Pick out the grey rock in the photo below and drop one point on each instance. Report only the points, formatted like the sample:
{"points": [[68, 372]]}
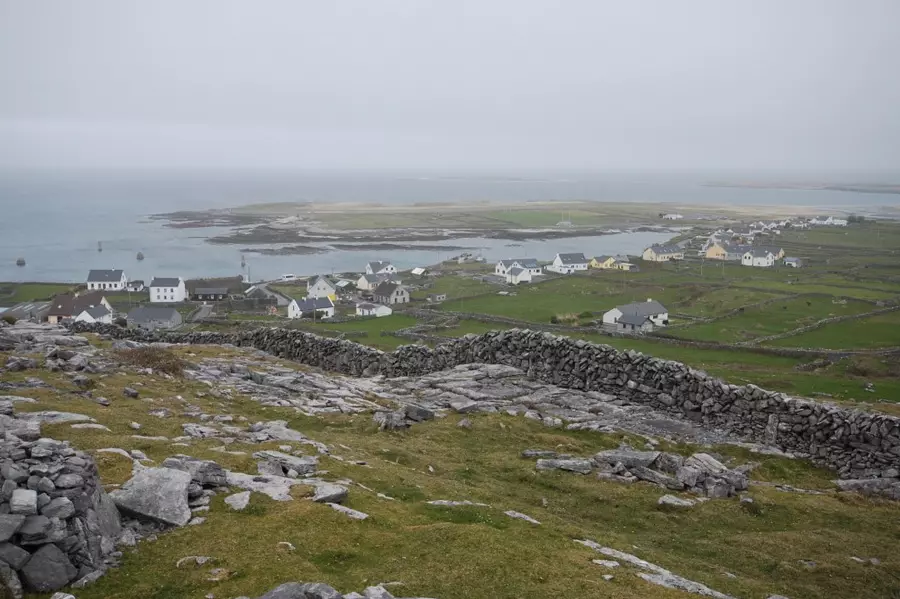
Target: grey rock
{"points": [[521, 516], [390, 421], [10, 524], [581, 466], [330, 493], [13, 555], [464, 423], [706, 464], [238, 501], [377, 592], [296, 590], [627, 457], [48, 570], [54, 417], [23, 501], [672, 501], [418, 413], [61, 507], [130, 392], [9, 581], [62, 596], [464, 406], [539, 453], [69, 481], [203, 472], [88, 579], [303, 464], [159, 494], [35, 530], [356, 515]]}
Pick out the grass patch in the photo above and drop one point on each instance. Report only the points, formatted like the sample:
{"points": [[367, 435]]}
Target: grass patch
{"points": [[160, 359]]}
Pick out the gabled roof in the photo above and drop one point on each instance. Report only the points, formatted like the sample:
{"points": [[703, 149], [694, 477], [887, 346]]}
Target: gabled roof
{"points": [[136, 283], [211, 291], [527, 262], [572, 258], [104, 276], [378, 265], [386, 288], [366, 306], [314, 303], [515, 271], [68, 305], [666, 249], [370, 278], [507, 263], [152, 313], [758, 253], [97, 311], [602, 259], [648, 308], [313, 282], [792, 260], [635, 319], [165, 282]]}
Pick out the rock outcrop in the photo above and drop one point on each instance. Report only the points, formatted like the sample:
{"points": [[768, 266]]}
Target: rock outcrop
{"points": [[856, 444]]}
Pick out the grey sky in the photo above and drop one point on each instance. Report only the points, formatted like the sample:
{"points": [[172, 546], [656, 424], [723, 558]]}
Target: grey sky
{"points": [[807, 84]]}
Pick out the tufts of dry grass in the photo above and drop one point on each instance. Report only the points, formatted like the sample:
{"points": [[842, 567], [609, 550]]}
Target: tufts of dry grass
{"points": [[159, 359]]}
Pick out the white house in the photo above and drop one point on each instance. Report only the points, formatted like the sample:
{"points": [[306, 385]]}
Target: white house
{"points": [[106, 280], [167, 290], [529, 264], [417, 271], [391, 293], [663, 253], [370, 282], [321, 287], [321, 307], [369, 309], [517, 275], [793, 262], [651, 310], [380, 268], [566, 264], [95, 314], [828, 221], [758, 257], [673, 216]]}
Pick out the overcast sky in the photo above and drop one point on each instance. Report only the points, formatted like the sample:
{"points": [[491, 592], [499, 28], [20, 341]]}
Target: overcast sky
{"points": [[693, 84]]}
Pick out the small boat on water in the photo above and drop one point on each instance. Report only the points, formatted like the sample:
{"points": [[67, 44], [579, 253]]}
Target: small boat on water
{"points": [[99, 246], [140, 255], [243, 261], [20, 262]]}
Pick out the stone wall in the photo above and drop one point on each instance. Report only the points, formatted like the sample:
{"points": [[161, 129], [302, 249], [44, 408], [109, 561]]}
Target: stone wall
{"points": [[857, 444], [57, 524]]}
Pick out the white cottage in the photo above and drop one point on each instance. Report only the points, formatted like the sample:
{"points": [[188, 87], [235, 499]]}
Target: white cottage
{"points": [[370, 309], [321, 287], [321, 307], [529, 264], [380, 268], [106, 280], [516, 275], [758, 257], [167, 290], [651, 310], [95, 314], [565, 264]]}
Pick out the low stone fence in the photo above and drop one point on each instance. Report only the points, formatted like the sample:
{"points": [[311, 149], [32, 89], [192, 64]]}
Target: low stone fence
{"points": [[821, 323], [857, 444]]}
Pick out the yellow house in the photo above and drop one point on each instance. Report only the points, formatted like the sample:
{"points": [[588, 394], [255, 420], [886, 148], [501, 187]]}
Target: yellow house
{"points": [[606, 262], [716, 251], [663, 253]]}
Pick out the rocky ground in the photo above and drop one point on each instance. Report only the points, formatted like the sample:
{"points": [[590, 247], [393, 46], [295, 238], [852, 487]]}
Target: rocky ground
{"points": [[363, 480]]}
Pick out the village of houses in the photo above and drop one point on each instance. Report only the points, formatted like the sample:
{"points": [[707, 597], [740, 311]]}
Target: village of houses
{"points": [[380, 288]]}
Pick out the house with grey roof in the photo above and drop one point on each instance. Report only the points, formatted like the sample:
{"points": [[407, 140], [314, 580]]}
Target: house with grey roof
{"points": [[316, 307], [663, 253], [391, 293], [167, 290], [793, 262], [516, 276], [154, 317], [210, 294], [106, 280], [98, 313], [566, 264], [529, 264], [380, 267], [758, 257], [639, 316]]}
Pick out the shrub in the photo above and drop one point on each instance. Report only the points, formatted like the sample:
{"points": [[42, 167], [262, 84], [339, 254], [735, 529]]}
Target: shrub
{"points": [[554, 319], [121, 322], [8, 319], [586, 314], [158, 358]]}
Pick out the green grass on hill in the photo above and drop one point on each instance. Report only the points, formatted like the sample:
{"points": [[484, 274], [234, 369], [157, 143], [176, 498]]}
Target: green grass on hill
{"points": [[882, 330], [15, 293], [465, 553], [455, 287], [771, 319]]}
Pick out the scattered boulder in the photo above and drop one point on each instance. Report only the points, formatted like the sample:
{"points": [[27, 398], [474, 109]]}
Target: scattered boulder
{"points": [[158, 494], [206, 473], [521, 516], [130, 392], [581, 466], [238, 501], [49, 569], [676, 502], [301, 465], [390, 421]]}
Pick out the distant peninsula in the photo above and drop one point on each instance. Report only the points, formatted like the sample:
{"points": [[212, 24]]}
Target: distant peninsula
{"points": [[893, 188]]}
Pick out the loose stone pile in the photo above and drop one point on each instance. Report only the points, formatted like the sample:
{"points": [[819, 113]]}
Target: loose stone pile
{"points": [[57, 525], [701, 473], [856, 444]]}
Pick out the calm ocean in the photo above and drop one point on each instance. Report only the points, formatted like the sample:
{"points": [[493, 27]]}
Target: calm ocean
{"points": [[55, 221]]}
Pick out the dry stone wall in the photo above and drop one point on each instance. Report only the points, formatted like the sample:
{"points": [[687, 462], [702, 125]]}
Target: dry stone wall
{"points": [[856, 444]]}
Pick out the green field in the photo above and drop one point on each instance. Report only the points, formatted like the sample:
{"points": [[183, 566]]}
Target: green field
{"points": [[454, 286], [771, 319], [878, 331], [15, 293]]}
